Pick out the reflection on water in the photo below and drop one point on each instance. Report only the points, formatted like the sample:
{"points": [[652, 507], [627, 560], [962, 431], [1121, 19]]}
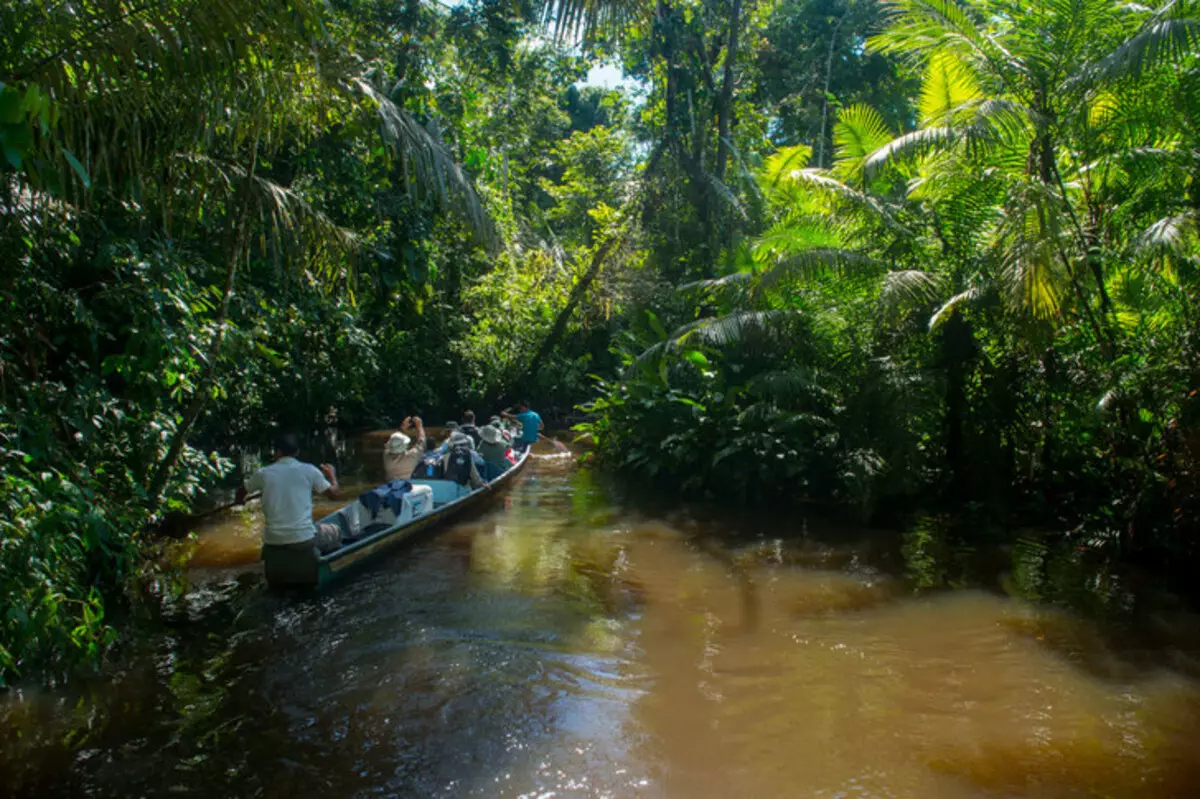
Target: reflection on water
{"points": [[558, 644]]}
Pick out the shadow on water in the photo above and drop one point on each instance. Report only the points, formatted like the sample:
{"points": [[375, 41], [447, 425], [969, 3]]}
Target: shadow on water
{"points": [[1108, 618], [563, 642]]}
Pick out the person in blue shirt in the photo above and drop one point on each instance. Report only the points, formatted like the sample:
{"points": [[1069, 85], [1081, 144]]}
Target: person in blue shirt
{"points": [[531, 426]]}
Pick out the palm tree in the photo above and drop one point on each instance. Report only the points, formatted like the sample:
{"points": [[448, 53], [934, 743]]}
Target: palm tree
{"points": [[1024, 94], [1011, 192]]}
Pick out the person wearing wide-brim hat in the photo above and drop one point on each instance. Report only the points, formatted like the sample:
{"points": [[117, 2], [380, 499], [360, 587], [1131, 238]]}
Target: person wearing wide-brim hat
{"points": [[461, 462], [498, 423], [494, 450], [401, 454]]}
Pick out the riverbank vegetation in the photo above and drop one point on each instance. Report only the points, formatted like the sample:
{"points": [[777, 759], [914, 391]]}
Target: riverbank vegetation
{"points": [[884, 254], [978, 292]]}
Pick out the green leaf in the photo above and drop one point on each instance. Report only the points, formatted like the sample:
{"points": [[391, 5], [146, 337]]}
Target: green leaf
{"points": [[948, 85], [656, 325], [10, 106], [13, 156], [859, 132], [78, 167]]}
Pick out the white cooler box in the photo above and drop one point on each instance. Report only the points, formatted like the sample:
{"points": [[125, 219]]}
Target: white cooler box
{"points": [[416, 503]]}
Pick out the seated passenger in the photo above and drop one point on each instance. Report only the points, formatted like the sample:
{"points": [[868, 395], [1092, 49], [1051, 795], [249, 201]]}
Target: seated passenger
{"points": [[468, 427], [494, 450], [401, 454], [500, 425], [458, 464]]}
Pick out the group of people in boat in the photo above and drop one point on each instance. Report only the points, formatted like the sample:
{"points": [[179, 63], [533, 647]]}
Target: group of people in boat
{"points": [[469, 454]]}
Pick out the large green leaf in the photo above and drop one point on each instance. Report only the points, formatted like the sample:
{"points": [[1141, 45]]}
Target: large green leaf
{"points": [[948, 86], [859, 132]]}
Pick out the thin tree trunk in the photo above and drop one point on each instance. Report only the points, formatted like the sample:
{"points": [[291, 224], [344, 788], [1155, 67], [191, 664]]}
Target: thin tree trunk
{"points": [[725, 106], [825, 95], [958, 351], [239, 220], [667, 50], [1085, 244], [564, 316]]}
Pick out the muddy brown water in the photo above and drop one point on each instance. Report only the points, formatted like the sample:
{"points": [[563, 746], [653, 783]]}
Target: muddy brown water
{"points": [[563, 644]]}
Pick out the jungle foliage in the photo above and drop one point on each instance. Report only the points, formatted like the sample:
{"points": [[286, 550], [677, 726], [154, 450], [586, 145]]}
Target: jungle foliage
{"points": [[224, 219], [985, 295], [884, 253]]}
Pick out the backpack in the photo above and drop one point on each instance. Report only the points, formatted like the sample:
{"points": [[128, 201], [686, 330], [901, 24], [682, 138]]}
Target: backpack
{"points": [[458, 465], [472, 431]]}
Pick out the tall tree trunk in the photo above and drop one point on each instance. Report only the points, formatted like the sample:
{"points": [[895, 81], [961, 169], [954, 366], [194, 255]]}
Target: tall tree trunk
{"points": [[666, 48], [825, 95], [958, 351], [725, 106], [237, 244], [564, 316]]}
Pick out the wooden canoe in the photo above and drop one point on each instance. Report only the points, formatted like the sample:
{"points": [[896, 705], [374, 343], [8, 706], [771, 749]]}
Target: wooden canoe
{"points": [[306, 568]]}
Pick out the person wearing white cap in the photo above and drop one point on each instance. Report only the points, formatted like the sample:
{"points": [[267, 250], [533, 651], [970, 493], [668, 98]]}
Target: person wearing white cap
{"points": [[401, 454], [494, 450]]}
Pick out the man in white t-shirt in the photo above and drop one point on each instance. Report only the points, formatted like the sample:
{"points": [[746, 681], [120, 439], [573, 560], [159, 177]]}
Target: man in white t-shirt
{"points": [[287, 487]]}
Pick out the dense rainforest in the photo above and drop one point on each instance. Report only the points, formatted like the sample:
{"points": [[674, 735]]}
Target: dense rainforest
{"points": [[878, 254]]}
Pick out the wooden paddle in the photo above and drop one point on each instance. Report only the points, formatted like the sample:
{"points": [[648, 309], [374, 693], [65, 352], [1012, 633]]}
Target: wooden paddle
{"points": [[178, 524], [558, 445]]}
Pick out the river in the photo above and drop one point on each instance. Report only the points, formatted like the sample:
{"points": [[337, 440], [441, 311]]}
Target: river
{"points": [[563, 643]]}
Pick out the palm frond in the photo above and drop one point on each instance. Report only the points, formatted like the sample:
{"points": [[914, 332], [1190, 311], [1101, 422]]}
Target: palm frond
{"points": [[1172, 156], [737, 281], [124, 86], [796, 234], [78, 49], [818, 261], [910, 145], [789, 385], [948, 86], [717, 332], [1035, 277], [781, 419], [292, 221], [427, 164], [1102, 107], [721, 331], [726, 195], [909, 288], [951, 305], [980, 125], [993, 121], [1172, 235], [784, 164], [918, 28], [592, 19], [860, 131], [820, 181], [1033, 246], [1170, 35]]}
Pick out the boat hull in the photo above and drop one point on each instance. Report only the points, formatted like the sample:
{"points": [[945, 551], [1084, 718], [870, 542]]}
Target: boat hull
{"points": [[298, 568]]}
